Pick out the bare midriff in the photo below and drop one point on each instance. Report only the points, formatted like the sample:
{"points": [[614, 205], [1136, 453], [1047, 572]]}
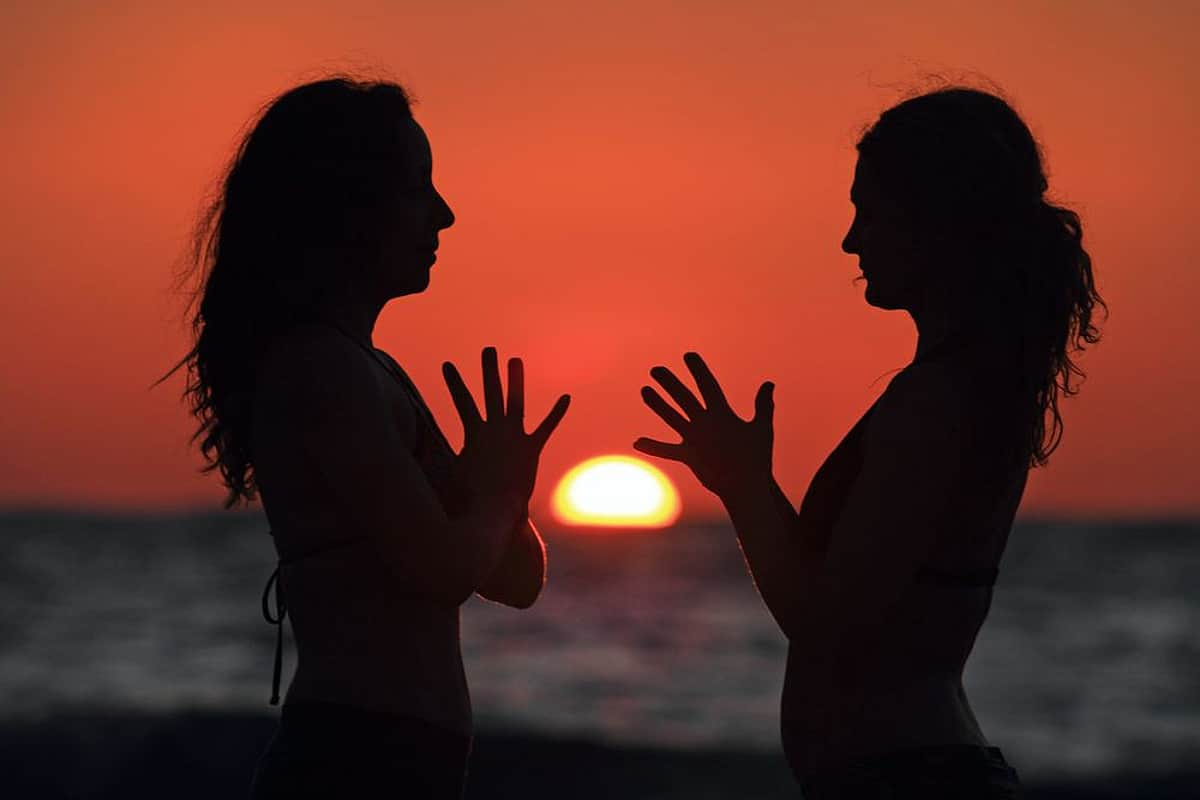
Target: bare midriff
{"points": [[902, 691], [361, 643]]}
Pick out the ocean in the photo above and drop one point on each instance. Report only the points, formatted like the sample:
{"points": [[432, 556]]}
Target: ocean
{"points": [[1088, 663]]}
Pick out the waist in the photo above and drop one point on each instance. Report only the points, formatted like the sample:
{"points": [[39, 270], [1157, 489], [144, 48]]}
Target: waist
{"points": [[827, 724], [917, 687], [974, 768], [437, 696], [334, 750], [337, 724]]}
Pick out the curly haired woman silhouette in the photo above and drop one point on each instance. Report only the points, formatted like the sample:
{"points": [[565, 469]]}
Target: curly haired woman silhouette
{"points": [[327, 212], [882, 580]]}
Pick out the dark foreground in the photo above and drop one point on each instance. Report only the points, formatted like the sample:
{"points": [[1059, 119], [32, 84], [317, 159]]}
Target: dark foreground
{"points": [[209, 755]]}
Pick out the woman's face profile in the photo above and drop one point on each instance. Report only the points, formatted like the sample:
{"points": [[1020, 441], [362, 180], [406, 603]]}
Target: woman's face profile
{"points": [[882, 237], [411, 241]]}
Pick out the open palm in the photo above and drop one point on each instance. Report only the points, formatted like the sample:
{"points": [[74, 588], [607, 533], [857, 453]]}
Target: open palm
{"points": [[497, 455], [722, 450]]}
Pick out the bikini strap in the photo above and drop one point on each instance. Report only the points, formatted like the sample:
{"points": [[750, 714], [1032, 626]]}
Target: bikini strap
{"points": [[394, 369]]}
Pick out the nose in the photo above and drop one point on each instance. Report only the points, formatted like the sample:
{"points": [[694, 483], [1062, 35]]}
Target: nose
{"points": [[850, 241], [445, 214]]}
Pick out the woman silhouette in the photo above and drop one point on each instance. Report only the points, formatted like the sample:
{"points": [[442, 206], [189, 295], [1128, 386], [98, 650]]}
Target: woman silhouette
{"points": [[327, 212], [883, 579]]}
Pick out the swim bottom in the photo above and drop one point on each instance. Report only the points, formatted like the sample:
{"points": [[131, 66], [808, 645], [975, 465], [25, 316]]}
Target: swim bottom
{"points": [[331, 751], [943, 772]]}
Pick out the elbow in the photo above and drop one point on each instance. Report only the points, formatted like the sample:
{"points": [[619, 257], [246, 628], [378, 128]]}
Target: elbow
{"points": [[529, 587], [515, 594], [526, 596]]}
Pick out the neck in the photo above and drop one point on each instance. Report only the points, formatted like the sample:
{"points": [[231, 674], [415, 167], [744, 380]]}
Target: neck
{"points": [[353, 315], [934, 328]]}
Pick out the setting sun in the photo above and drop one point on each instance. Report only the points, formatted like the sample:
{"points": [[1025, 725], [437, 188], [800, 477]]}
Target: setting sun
{"points": [[616, 491]]}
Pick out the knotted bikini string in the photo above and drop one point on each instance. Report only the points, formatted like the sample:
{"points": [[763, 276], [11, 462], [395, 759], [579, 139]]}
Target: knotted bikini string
{"points": [[281, 607], [276, 620], [396, 372]]}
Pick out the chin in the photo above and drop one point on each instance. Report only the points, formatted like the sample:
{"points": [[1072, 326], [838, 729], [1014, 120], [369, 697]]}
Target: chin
{"points": [[881, 298], [412, 285]]}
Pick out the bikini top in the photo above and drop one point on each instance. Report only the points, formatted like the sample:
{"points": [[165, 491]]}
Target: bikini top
{"points": [[432, 451], [829, 491]]}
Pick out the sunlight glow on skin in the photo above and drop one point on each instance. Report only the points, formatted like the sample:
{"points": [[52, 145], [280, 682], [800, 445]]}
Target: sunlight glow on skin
{"points": [[616, 491]]}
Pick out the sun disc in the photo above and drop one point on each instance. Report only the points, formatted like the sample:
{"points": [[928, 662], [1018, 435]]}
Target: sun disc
{"points": [[616, 491]]}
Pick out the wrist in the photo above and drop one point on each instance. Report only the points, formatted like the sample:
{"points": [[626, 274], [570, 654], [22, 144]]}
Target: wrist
{"points": [[748, 489], [504, 503]]}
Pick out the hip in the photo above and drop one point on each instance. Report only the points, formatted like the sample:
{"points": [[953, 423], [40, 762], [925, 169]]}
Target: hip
{"points": [[413, 685], [938, 772], [332, 750]]}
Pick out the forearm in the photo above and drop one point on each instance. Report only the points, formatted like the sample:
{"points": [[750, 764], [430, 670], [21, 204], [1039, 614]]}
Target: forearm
{"points": [[519, 575], [783, 562], [476, 542]]}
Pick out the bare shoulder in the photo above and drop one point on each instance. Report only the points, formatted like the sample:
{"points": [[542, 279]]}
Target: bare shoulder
{"points": [[312, 370], [923, 401], [302, 348]]}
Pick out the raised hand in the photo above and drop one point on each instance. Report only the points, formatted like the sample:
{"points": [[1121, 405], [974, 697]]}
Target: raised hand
{"points": [[497, 455], [723, 450]]}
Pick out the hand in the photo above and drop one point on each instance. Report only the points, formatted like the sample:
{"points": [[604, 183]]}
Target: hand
{"points": [[723, 450], [498, 456]]}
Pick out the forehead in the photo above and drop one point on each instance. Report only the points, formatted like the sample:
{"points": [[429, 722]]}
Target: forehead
{"points": [[417, 142], [865, 186]]}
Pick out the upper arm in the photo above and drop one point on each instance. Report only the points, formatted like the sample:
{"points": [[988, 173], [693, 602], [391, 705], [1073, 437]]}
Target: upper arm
{"points": [[323, 410], [900, 501]]}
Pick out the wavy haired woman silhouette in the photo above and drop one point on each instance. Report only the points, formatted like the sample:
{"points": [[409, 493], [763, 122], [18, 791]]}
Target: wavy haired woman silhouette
{"points": [[884, 577], [328, 211]]}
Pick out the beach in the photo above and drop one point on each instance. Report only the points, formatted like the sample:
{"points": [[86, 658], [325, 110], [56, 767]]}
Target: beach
{"points": [[209, 755]]}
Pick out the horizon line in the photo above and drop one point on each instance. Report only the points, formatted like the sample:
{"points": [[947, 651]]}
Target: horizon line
{"points": [[546, 520]]}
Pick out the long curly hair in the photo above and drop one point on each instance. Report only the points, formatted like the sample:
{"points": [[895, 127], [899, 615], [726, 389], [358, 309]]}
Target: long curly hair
{"points": [[969, 175], [303, 203]]}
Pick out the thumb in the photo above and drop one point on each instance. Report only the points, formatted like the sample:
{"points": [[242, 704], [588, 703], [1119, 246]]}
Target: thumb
{"points": [[764, 405]]}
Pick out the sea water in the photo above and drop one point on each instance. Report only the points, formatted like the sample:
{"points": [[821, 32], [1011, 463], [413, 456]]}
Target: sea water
{"points": [[1087, 664]]}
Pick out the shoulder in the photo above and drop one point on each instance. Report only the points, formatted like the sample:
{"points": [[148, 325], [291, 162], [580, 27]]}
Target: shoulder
{"points": [[304, 344], [391, 364], [924, 400], [313, 368]]}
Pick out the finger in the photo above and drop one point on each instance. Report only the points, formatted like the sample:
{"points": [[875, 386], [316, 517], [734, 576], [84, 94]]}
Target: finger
{"points": [[710, 390], [493, 395], [671, 452], [543, 431], [516, 390], [664, 409], [467, 410], [764, 404], [679, 393]]}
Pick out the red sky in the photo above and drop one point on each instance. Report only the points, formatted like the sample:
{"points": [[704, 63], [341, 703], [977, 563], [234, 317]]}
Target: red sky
{"points": [[631, 179]]}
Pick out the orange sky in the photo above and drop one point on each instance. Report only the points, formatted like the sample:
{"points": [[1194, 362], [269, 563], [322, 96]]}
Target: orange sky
{"points": [[631, 179]]}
